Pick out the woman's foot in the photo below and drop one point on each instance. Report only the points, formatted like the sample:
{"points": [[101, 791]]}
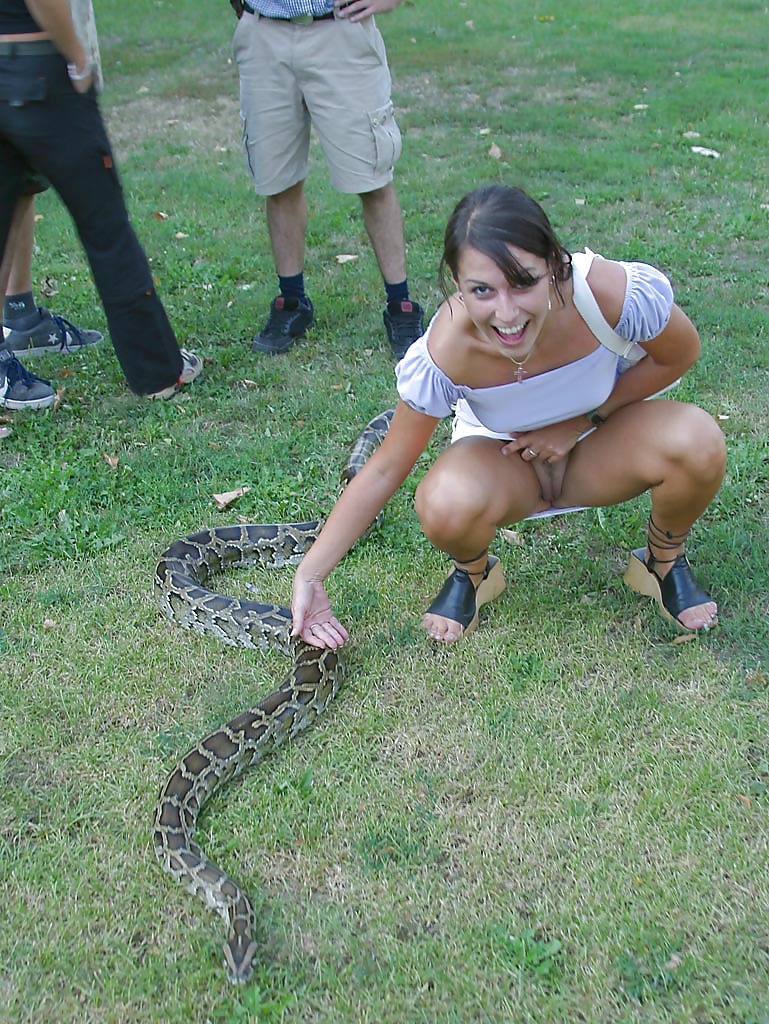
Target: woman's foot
{"points": [[662, 571], [454, 611]]}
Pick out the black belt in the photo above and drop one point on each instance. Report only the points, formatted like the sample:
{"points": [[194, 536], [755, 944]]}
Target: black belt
{"points": [[298, 19], [26, 48]]}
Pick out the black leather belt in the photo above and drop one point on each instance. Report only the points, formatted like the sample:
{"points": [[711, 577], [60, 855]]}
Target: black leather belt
{"points": [[298, 19], [26, 47]]}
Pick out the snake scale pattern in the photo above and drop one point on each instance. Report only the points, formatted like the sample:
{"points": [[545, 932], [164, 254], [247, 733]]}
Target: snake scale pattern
{"points": [[181, 579]]}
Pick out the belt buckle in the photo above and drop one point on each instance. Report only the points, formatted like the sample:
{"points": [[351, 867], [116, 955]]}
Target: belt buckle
{"points": [[301, 19]]}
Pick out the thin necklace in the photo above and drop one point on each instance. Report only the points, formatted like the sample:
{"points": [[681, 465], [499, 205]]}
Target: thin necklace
{"points": [[520, 365]]}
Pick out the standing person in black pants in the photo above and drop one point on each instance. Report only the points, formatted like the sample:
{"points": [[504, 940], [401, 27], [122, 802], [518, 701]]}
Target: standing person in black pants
{"points": [[50, 124]]}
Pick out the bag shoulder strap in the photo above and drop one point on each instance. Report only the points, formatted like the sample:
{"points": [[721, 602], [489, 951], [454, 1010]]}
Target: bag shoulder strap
{"points": [[589, 310]]}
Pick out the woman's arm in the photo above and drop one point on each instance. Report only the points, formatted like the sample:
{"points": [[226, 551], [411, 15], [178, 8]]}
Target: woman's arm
{"points": [[669, 355], [357, 507]]}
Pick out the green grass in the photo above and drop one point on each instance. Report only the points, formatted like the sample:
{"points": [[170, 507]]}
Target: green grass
{"points": [[562, 820]]}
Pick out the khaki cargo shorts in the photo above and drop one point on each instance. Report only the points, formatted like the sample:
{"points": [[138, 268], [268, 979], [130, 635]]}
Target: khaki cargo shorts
{"points": [[332, 74]]}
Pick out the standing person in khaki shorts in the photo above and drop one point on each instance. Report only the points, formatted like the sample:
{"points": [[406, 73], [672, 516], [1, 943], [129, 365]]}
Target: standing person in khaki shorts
{"points": [[314, 62]]}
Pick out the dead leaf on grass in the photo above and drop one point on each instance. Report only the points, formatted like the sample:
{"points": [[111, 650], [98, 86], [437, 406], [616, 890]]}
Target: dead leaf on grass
{"points": [[111, 460], [684, 638], [159, 215], [512, 537], [345, 257], [226, 498], [59, 395], [495, 152]]}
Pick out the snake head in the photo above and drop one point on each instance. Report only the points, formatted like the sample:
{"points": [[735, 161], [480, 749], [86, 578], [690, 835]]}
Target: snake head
{"points": [[239, 953]]}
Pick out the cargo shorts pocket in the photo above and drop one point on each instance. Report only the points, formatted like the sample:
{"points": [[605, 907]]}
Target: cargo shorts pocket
{"points": [[387, 138]]}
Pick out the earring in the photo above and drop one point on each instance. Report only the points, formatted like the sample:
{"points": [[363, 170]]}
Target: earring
{"points": [[461, 297]]}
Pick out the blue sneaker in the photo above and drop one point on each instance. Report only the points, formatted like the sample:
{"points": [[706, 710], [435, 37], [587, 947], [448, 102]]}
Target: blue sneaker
{"points": [[20, 389], [404, 323], [52, 333], [288, 320]]}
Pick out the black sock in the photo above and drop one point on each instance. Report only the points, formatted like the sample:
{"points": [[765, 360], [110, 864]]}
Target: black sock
{"points": [[20, 310], [292, 287], [396, 294]]}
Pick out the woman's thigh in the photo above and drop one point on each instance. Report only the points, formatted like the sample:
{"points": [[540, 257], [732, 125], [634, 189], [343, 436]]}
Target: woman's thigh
{"points": [[474, 474], [637, 448]]}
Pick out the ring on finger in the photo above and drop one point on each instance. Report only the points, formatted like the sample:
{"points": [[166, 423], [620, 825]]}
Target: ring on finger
{"points": [[532, 453]]}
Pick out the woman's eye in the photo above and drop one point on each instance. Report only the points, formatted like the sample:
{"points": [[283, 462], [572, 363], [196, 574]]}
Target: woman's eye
{"points": [[481, 290]]}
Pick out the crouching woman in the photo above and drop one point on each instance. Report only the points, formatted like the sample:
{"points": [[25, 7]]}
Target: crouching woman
{"points": [[545, 360]]}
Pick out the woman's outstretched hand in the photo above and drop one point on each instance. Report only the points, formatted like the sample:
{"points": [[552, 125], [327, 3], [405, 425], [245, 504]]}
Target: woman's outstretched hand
{"points": [[313, 619]]}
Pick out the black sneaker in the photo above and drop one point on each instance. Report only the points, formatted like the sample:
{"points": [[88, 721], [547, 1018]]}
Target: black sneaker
{"points": [[404, 322], [20, 389], [288, 320], [51, 333]]}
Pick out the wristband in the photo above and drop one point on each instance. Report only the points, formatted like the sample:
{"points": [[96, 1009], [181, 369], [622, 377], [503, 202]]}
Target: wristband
{"points": [[79, 76], [595, 418]]}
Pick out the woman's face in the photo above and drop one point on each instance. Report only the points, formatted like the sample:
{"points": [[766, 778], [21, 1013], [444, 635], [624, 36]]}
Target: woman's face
{"points": [[508, 318]]}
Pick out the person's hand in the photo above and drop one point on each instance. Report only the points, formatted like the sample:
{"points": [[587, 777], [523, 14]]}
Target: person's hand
{"points": [[81, 76], [547, 451], [313, 619], [357, 10]]}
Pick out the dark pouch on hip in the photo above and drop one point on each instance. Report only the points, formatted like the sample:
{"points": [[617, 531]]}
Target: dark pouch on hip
{"points": [[17, 90]]}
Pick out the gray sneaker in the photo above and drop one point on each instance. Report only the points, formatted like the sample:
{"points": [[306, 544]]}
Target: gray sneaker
{"points": [[52, 333], [20, 389], [192, 367]]}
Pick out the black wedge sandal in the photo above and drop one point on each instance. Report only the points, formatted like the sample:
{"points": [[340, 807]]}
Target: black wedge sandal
{"points": [[459, 599], [677, 590]]}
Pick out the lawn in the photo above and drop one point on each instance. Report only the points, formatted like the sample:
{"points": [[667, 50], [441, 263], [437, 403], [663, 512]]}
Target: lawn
{"points": [[564, 819]]}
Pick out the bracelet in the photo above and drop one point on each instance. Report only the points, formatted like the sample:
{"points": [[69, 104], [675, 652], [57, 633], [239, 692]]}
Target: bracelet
{"points": [[76, 76], [595, 418]]}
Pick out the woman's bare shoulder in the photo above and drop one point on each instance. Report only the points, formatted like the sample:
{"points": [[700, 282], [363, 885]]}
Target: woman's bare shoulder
{"points": [[450, 337]]}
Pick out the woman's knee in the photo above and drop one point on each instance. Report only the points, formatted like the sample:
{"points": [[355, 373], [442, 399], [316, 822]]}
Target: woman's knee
{"points": [[447, 506], [697, 442]]}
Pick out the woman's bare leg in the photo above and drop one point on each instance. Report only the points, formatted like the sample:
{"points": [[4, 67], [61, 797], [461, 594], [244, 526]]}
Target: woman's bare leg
{"points": [[673, 450], [466, 495]]}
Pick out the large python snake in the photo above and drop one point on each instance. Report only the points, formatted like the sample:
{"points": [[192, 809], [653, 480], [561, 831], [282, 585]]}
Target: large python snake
{"points": [[181, 579]]}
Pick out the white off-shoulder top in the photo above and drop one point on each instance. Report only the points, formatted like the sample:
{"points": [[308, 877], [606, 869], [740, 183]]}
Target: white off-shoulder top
{"points": [[570, 390]]}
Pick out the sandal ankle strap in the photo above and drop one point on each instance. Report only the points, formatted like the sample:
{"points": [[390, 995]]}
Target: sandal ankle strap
{"points": [[460, 563], [663, 540]]}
